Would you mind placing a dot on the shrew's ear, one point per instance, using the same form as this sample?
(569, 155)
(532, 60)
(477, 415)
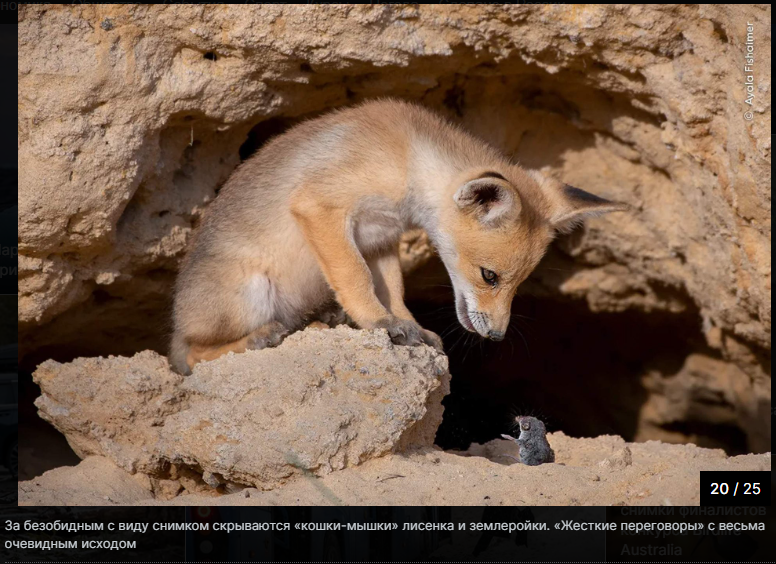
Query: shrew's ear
(572, 206)
(490, 199)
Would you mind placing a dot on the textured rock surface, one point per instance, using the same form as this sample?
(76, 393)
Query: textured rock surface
(323, 400)
(114, 407)
(592, 472)
(127, 130)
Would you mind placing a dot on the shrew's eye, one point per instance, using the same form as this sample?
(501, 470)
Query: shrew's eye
(489, 276)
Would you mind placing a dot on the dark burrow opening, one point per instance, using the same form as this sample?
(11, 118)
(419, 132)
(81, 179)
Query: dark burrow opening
(263, 132)
(581, 372)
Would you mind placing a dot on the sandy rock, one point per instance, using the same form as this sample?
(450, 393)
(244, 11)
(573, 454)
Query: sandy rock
(113, 407)
(323, 400)
(165, 489)
(723, 393)
(95, 481)
(619, 460)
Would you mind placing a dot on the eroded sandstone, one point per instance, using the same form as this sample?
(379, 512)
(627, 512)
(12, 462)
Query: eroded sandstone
(324, 400)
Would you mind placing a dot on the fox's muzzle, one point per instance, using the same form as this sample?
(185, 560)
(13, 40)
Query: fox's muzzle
(496, 335)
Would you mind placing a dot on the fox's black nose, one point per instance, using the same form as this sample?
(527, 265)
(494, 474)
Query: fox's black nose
(496, 335)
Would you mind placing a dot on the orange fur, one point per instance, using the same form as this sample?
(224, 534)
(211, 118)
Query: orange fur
(317, 213)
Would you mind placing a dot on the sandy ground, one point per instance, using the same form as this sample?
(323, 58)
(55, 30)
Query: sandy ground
(601, 471)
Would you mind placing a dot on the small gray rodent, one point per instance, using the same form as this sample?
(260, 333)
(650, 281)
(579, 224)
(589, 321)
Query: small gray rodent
(532, 442)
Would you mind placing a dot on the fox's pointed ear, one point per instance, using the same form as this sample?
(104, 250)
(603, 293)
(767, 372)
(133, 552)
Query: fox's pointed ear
(573, 205)
(491, 200)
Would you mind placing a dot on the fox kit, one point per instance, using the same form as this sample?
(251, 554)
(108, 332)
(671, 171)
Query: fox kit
(317, 213)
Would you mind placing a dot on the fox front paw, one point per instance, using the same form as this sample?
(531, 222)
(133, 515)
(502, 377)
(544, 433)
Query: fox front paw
(409, 333)
(433, 340)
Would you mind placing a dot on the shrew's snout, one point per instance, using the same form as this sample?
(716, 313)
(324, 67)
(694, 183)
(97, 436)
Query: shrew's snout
(496, 335)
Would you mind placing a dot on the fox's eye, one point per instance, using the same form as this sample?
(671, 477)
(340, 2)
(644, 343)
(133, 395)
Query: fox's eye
(489, 276)
(526, 426)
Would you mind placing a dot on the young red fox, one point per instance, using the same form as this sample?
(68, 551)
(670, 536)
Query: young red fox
(320, 209)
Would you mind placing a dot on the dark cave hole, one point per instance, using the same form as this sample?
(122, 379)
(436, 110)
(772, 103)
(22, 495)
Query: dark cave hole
(577, 370)
(210, 56)
(455, 100)
(263, 132)
(722, 434)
